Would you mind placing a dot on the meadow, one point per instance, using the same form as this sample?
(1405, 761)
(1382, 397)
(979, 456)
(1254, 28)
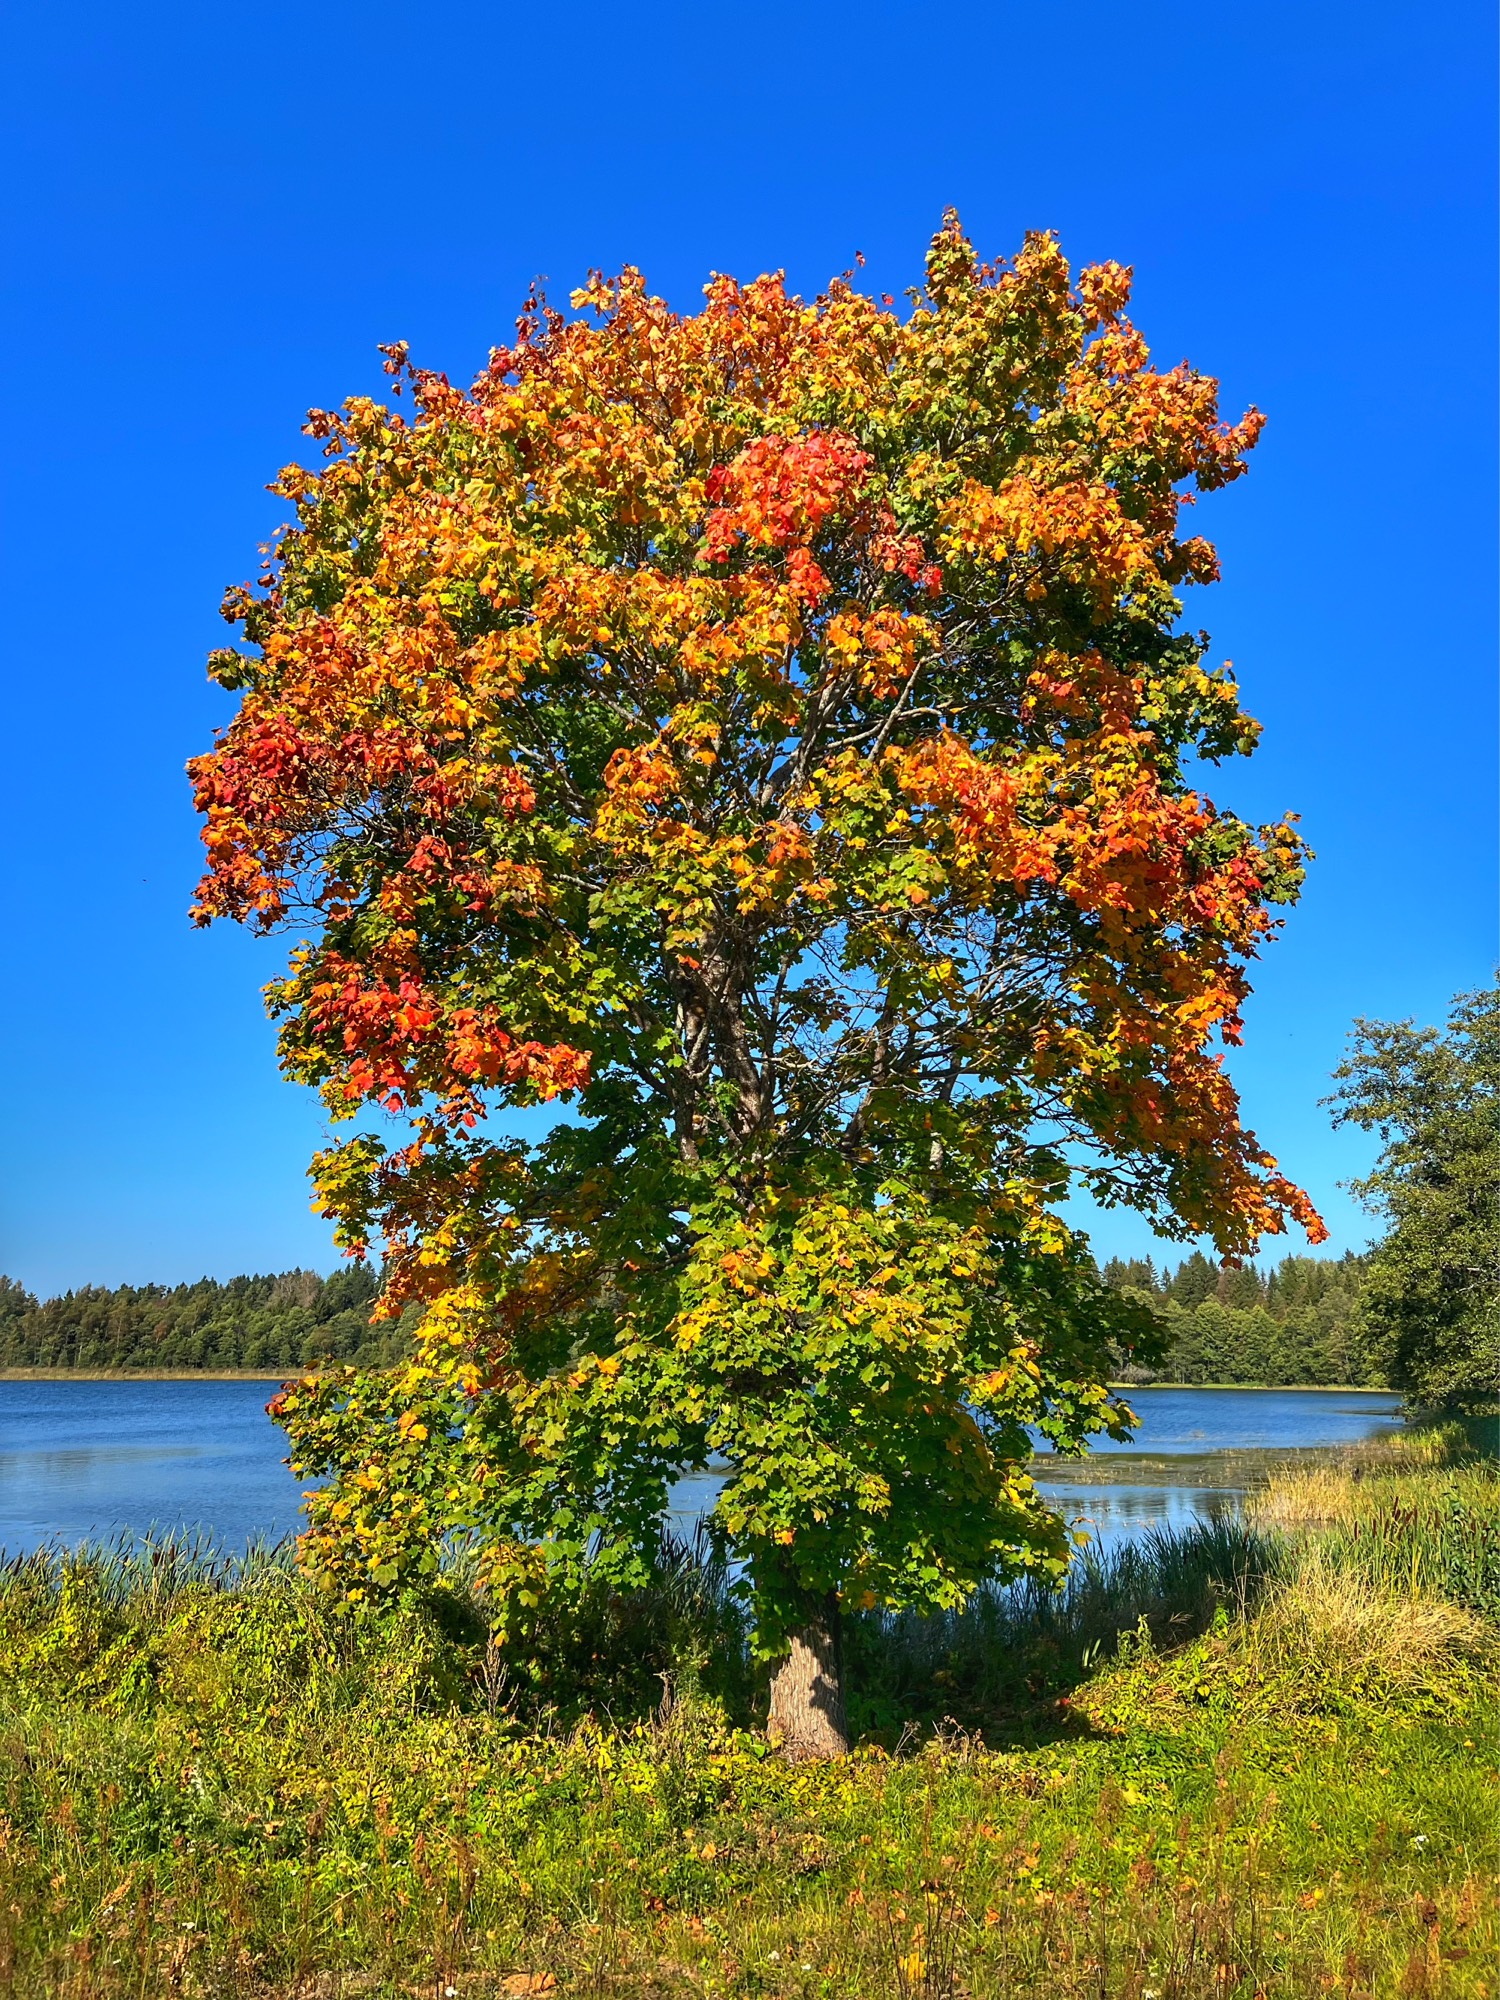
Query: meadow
(1249, 1759)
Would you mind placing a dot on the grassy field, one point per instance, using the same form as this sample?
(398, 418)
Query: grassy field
(1246, 1761)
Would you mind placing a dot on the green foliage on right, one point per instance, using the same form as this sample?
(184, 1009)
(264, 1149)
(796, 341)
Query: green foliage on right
(1432, 1300)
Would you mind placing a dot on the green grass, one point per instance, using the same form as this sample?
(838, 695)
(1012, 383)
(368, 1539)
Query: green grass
(1205, 1772)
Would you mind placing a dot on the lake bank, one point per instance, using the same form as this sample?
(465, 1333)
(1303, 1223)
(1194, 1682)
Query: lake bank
(144, 1375)
(1259, 1388)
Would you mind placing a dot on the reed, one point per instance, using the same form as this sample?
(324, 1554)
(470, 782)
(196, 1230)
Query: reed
(1438, 1535)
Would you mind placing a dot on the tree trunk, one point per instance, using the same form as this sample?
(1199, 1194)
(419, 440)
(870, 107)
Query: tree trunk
(807, 1693)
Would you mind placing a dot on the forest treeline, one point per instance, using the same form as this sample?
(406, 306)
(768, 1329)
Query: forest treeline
(1299, 1322)
(287, 1321)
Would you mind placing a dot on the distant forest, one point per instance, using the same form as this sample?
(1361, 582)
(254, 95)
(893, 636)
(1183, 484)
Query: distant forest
(1297, 1323)
(1300, 1322)
(292, 1321)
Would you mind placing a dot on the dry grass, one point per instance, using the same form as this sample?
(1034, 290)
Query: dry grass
(1315, 1497)
(1342, 1486)
(1363, 1481)
(1368, 1635)
(1425, 1533)
(1391, 1568)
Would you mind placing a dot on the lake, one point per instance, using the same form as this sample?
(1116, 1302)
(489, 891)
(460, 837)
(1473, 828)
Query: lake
(1199, 1451)
(87, 1460)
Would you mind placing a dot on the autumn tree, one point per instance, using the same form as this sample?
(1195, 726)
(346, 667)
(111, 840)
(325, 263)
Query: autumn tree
(1432, 1293)
(763, 731)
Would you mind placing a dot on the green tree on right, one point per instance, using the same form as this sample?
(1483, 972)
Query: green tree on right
(1432, 1286)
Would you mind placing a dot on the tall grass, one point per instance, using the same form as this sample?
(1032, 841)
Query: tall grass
(1006, 1656)
(609, 1653)
(144, 1574)
(1437, 1535)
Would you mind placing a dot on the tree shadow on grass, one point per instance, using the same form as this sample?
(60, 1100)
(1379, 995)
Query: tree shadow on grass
(1003, 1665)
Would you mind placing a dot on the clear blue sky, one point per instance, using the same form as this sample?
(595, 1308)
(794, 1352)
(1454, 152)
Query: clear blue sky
(216, 212)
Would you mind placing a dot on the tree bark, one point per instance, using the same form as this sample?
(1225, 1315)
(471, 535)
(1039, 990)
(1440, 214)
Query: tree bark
(807, 1693)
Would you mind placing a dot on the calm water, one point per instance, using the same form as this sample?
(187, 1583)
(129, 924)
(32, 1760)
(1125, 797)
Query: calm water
(1198, 1451)
(85, 1460)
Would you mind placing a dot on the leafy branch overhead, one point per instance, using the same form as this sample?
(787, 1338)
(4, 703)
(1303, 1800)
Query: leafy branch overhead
(765, 729)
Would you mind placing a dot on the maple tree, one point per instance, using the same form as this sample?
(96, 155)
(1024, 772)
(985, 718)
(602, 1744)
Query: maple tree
(764, 730)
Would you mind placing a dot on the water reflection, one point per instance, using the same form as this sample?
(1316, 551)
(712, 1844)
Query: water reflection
(1108, 1513)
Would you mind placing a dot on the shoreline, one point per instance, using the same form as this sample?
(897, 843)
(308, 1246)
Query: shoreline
(1267, 1388)
(147, 1375)
(296, 1374)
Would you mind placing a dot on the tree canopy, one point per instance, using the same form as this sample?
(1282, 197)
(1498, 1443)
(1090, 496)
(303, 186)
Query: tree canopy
(764, 729)
(1432, 1297)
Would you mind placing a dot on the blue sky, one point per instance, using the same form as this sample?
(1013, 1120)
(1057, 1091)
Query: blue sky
(217, 212)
